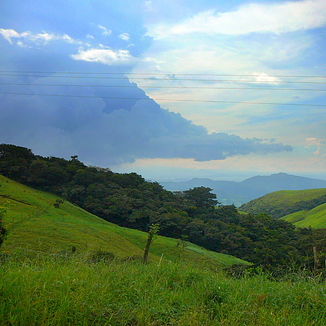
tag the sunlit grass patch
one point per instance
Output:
(315, 218)
(34, 223)
(73, 291)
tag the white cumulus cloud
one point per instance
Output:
(105, 31)
(38, 38)
(265, 78)
(9, 34)
(275, 18)
(319, 143)
(105, 56)
(320, 152)
(124, 36)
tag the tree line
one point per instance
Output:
(195, 215)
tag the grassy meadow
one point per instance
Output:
(72, 291)
(284, 202)
(64, 266)
(315, 218)
(277, 201)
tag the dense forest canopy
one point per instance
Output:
(129, 200)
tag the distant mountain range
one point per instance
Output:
(238, 193)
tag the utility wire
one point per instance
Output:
(168, 100)
(170, 87)
(172, 79)
(154, 73)
(167, 77)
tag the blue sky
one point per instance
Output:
(168, 89)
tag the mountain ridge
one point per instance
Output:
(238, 193)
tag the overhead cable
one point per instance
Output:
(167, 100)
(168, 87)
(154, 73)
(174, 79)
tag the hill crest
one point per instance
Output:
(280, 203)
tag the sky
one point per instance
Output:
(168, 89)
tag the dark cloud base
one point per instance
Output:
(111, 132)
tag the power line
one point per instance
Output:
(174, 79)
(170, 87)
(167, 77)
(168, 100)
(154, 73)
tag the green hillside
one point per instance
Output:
(34, 224)
(315, 218)
(284, 202)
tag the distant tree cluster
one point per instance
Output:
(196, 215)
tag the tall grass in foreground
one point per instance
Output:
(58, 291)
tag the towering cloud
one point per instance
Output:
(111, 125)
(74, 107)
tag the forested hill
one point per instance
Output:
(280, 203)
(195, 214)
(38, 221)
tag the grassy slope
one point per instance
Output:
(276, 202)
(316, 217)
(49, 292)
(34, 224)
